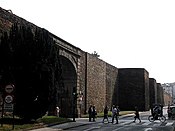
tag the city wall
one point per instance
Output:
(101, 83)
(160, 95)
(133, 89)
(152, 91)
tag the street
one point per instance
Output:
(125, 124)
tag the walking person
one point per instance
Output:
(137, 116)
(94, 113)
(57, 111)
(105, 114)
(90, 112)
(115, 112)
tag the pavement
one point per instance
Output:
(79, 122)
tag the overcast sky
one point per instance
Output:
(125, 33)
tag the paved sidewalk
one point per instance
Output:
(79, 122)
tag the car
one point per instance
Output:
(171, 112)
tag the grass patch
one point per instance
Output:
(126, 112)
(52, 119)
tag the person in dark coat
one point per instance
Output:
(105, 114)
(90, 112)
(137, 116)
(94, 113)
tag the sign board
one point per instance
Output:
(9, 89)
(8, 99)
(8, 107)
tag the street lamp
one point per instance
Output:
(74, 102)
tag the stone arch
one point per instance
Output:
(69, 81)
(70, 57)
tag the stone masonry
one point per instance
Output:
(152, 91)
(133, 89)
(100, 83)
(96, 82)
(160, 98)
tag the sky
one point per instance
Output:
(125, 33)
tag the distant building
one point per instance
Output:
(169, 90)
(167, 99)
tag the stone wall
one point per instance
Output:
(160, 95)
(111, 85)
(96, 82)
(152, 91)
(100, 83)
(133, 88)
(83, 81)
(146, 97)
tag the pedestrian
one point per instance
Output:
(105, 114)
(137, 116)
(94, 113)
(169, 112)
(161, 110)
(57, 111)
(115, 113)
(90, 112)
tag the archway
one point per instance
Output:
(69, 81)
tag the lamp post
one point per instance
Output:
(74, 102)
